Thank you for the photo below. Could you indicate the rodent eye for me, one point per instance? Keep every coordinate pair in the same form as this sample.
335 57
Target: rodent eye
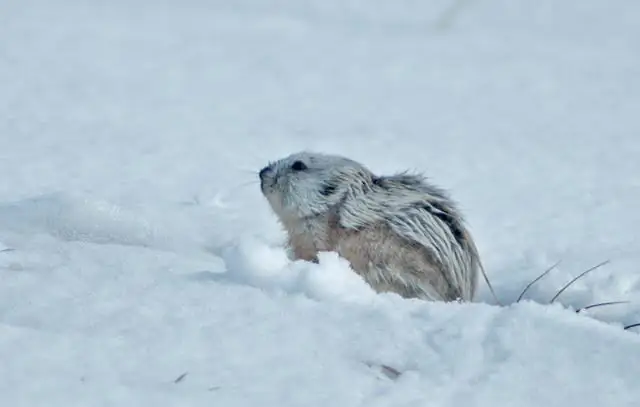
298 166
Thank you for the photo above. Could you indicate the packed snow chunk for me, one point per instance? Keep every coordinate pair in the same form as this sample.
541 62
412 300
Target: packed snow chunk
253 262
332 279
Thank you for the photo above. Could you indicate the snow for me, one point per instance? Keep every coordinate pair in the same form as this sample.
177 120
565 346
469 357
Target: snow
141 266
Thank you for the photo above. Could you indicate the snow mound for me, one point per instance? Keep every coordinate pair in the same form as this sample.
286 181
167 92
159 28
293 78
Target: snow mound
254 263
73 217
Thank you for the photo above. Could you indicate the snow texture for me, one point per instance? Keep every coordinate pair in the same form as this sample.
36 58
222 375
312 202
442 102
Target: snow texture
140 265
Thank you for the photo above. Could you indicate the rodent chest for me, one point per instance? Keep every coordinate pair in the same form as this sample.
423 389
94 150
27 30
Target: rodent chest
313 235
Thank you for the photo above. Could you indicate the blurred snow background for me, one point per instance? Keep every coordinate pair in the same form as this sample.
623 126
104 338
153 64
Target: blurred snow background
135 246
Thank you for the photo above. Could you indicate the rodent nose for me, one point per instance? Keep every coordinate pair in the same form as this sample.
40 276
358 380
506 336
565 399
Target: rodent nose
264 171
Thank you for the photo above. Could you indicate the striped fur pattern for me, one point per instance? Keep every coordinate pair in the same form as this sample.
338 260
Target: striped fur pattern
400 233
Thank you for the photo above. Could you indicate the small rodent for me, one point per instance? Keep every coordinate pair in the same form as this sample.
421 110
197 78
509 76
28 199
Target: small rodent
400 233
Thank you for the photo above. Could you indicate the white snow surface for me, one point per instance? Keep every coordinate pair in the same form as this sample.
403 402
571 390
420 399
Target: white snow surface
140 266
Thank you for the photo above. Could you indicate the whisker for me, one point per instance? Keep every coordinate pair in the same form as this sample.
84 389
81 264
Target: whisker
253 172
247 183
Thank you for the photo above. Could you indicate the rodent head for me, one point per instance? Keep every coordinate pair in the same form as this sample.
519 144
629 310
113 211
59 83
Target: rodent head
308 184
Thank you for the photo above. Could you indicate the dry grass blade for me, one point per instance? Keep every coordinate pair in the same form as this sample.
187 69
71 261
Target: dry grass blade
600 304
576 278
390 372
486 278
537 279
631 326
450 14
181 377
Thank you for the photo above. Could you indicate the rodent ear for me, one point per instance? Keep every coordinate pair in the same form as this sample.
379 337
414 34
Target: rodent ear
329 188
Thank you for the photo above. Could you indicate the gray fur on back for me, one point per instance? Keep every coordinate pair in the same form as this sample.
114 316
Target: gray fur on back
399 232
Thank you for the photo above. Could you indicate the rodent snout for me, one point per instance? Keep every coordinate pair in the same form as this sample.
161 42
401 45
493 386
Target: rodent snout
264 171
264 179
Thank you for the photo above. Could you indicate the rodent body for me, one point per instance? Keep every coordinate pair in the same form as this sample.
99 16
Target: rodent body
400 233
